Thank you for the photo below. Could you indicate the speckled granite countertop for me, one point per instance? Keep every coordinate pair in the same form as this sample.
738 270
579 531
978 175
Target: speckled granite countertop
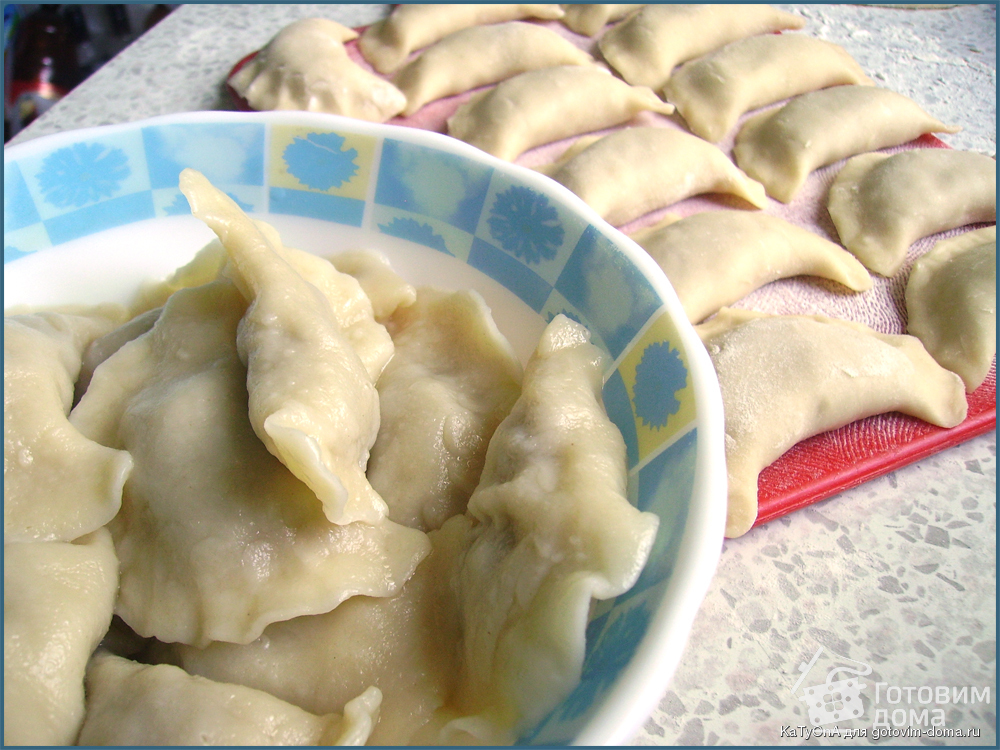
897 575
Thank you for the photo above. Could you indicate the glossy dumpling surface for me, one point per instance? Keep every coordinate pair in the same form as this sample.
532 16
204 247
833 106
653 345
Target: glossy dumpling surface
951 303
715 258
386 290
882 204
546 105
782 147
785 378
306 67
58 484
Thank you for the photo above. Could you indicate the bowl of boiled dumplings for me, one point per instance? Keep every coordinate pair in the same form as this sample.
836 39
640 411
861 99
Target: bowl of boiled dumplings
389 439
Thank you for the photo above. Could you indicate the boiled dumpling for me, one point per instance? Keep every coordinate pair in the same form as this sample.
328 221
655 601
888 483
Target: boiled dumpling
58 485
129 703
386 289
306 67
452 380
715 258
951 303
882 204
785 378
589 18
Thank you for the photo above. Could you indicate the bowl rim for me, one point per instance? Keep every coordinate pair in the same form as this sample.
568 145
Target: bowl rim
641 684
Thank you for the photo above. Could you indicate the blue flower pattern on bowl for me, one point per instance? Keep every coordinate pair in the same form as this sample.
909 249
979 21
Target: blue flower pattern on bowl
526 224
319 160
415 231
658 377
82 173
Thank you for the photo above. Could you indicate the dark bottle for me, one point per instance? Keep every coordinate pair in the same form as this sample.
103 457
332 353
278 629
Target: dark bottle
45 66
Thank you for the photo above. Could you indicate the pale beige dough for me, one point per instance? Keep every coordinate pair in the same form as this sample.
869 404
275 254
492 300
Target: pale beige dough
546 105
589 18
306 67
645 48
410 27
785 378
386 289
951 304
782 147
712 92
660 166
715 258
482 55
882 204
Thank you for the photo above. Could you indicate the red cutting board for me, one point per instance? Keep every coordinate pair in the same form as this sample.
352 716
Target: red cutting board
826 464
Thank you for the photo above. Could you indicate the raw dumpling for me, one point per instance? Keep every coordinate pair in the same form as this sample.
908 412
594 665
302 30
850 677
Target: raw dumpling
547 105
58 485
386 289
387 43
782 147
216 537
712 92
951 303
646 48
57 602
882 204
139 704
481 55
306 67
785 378
313 401
452 380
552 529
589 18
715 258
660 166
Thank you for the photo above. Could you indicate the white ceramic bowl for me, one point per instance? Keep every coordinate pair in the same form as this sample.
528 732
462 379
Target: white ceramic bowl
89 214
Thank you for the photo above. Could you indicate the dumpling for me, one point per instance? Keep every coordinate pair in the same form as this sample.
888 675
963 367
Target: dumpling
549 528
715 258
646 47
482 55
58 484
206 266
386 289
546 105
129 703
216 537
452 380
712 92
306 67
101 348
57 602
882 204
782 147
660 166
589 18
785 378
387 43
313 401
951 304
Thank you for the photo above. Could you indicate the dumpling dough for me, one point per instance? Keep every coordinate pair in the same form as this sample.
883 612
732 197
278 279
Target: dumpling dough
552 529
785 378
387 43
589 18
313 402
715 258
546 105
660 166
646 48
138 704
57 602
712 92
481 55
216 537
882 204
951 304
453 378
58 485
385 288
306 67
782 147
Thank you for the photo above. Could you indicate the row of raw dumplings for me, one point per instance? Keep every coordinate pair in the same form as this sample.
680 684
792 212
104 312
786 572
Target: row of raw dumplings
324 507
